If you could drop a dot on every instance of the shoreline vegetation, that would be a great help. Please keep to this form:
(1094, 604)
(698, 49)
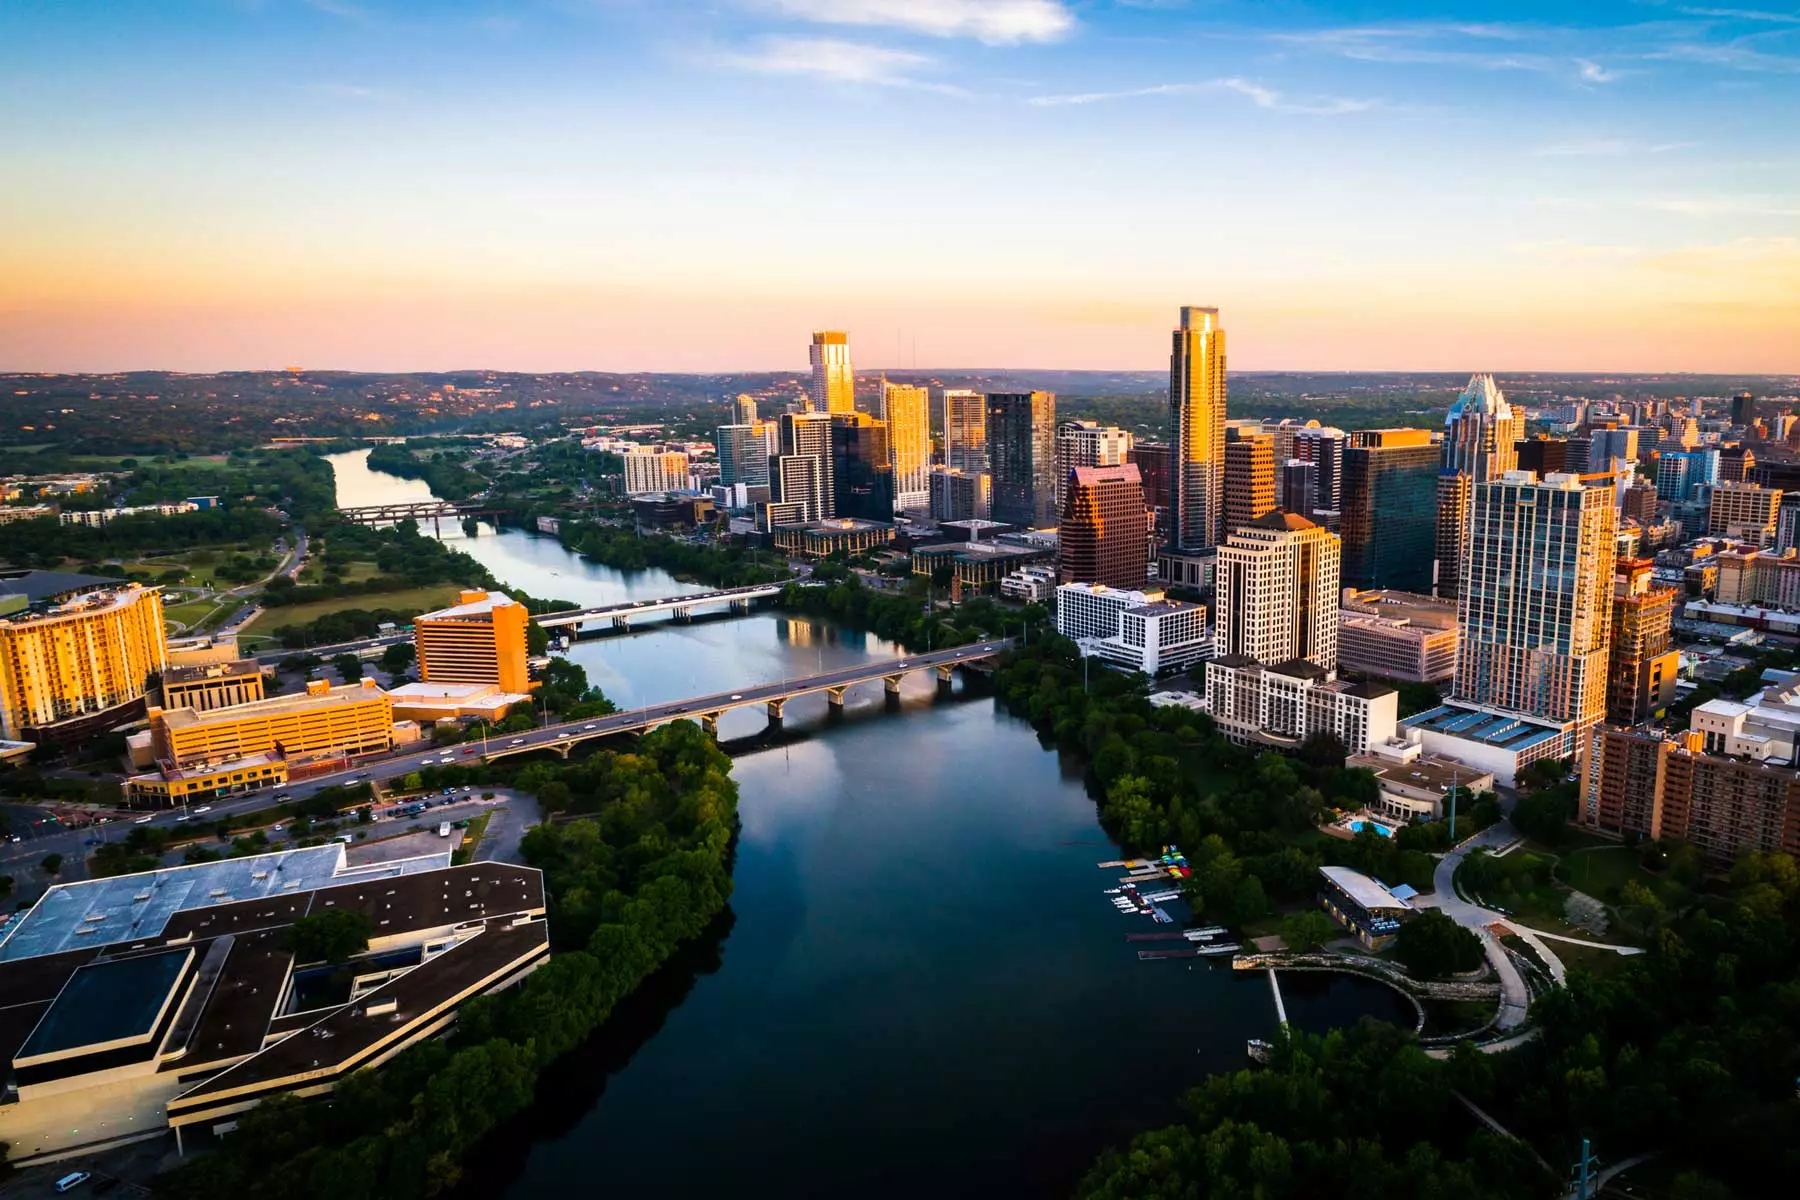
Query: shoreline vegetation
(636, 864)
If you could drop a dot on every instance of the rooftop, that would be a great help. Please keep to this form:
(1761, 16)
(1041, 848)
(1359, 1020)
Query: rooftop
(87, 603)
(1493, 729)
(472, 604)
(126, 908)
(108, 1002)
(1371, 894)
(236, 669)
(1292, 522)
(39, 586)
(348, 693)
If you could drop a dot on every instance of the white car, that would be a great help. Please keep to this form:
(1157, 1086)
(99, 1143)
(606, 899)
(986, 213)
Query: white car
(144, 820)
(737, 695)
(516, 742)
(560, 736)
(204, 808)
(587, 727)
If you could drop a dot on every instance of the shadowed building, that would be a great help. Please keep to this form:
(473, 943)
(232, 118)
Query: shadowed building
(1389, 521)
(1249, 480)
(862, 472)
(1021, 429)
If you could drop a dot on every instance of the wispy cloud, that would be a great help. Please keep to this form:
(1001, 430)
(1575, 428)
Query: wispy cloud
(839, 62)
(1734, 55)
(1743, 14)
(1593, 72)
(1261, 96)
(337, 8)
(1726, 206)
(995, 21)
(1614, 147)
(345, 91)
(1562, 248)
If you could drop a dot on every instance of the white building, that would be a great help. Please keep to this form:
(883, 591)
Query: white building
(1087, 444)
(1412, 785)
(1141, 630)
(651, 470)
(1033, 585)
(1276, 591)
(1285, 704)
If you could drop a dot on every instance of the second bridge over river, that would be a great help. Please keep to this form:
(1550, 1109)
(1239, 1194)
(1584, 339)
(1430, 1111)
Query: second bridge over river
(773, 696)
(620, 616)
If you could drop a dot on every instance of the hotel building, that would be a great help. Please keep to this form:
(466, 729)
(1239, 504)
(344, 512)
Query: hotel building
(1141, 630)
(481, 639)
(1276, 595)
(81, 664)
(1284, 704)
(907, 412)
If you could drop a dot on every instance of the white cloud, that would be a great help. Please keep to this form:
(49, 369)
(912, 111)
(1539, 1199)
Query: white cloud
(1744, 14)
(1593, 72)
(1727, 206)
(994, 21)
(838, 61)
(1262, 97)
(1607, 148)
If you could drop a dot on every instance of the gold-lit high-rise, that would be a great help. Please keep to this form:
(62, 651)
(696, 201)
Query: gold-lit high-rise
(833, 387)
(91, 653)
(907, 411)
(1197, 431)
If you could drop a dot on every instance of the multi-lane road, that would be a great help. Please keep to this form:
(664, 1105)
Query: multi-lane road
(16, 859)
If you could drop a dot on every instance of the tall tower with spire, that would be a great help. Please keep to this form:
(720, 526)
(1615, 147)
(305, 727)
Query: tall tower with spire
(1197, 431)
(1481, 436)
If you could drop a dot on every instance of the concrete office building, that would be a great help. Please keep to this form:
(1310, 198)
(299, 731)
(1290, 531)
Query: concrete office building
(1680, 474)
(170, 998)
(802, 436)
(832, 388)
(744, 409)
(1481, 435)
(1276, 596)
(1021, 428)
(1086, 444)
(907, 413)
(1197, 432)
(744, 452)
(73, 664)
(958, 495)
(1249, 480)
(1389, 521)
(1104, 536)
(1324, 449)
(963, 421)
(1744, 511)
(1403, 636)
(1142, 630)
(219, 685)
(1283, 704)
(480, 639)
(1644, 662)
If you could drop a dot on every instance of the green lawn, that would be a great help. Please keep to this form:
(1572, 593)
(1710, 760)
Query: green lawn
(471, 840)
(410, 600)
(194, 614)
(1602, 872)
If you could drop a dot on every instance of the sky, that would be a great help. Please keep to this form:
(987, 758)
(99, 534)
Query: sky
(695, 185)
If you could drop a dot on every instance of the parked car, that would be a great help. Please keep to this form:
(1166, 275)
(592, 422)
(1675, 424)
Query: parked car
(72, 1180)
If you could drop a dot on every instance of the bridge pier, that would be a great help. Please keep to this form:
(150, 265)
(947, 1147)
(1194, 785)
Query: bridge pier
(835, 697)
(740, 606)
(684, 614)
(621, 622)
(945, 673)
(892, 683)
(710, 723)
(775, 707)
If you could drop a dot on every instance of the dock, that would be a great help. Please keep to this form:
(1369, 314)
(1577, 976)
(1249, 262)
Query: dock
(1167, 936)
(1189, 952)
(1280, 1008)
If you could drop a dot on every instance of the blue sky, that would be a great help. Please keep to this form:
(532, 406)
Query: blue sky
(622, 184)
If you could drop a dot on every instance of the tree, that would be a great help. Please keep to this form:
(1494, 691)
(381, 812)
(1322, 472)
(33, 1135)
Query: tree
(1544, 814)
(1307, 930)
(334, 936)
(1433, 946)
(52, 864)
(398, 657)
(348, 667)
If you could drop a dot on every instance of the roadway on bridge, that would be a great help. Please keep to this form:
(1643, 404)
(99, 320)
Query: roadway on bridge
(17, 858)
(576, 616)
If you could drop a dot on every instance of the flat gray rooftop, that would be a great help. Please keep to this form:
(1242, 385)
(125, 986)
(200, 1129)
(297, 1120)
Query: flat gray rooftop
(126, 908)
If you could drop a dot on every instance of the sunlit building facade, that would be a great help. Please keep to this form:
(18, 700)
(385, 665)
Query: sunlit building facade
(1197, 431)
(833, 385)
(92, 654)
(481, 639)
(907, 411)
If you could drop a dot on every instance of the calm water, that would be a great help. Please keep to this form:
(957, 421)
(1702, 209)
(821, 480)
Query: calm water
(920, 990)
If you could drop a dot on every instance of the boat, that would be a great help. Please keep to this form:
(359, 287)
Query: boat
(1212, 948)
(1211, 931)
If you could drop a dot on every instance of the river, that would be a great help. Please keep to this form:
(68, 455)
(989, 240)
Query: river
(921, 988)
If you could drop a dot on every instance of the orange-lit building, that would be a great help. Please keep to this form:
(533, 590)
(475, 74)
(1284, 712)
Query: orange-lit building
(1641, 680)
(80, 662)
(480, 640)
(1105, 532)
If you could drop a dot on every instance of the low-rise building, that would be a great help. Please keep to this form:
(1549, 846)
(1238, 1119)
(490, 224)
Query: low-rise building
(671, 510)
(428, 703)
(820, 539)
(1415, 786)
(1500, 744)
(171, 998)
(1032, 585)
(979, 567)
(1284, 704)
(1362, 905)
(1397, 635)
(1145, 631)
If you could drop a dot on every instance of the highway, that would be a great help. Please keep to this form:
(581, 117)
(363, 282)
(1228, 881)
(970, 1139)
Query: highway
(18, 859)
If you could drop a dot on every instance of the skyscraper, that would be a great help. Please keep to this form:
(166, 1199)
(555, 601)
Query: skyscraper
(1087, 444)
(862, 470)
(963, 419)
(1324, 448)
(1152, 461)
(1535, 597)
(86, 655)
(745, 408)
(744, 452)
(1104, 536)
(1481, 433)
(1276, 592)
(805, 435)
(1389, 522)
(1249, 480)
(1197, 431)
(833, 387)
(1643, 658)
(907, 411)
(1021, 429)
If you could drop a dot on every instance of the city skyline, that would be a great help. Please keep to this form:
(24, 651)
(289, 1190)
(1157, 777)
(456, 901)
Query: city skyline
(544, 186)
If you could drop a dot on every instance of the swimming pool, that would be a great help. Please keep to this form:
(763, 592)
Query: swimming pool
(1377, 826)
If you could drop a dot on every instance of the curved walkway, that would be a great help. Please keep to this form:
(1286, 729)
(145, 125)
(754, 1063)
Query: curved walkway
(1515, 998)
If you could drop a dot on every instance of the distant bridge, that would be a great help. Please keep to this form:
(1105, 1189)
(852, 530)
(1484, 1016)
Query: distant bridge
(621, 615)
(434, 510)
(771, 696)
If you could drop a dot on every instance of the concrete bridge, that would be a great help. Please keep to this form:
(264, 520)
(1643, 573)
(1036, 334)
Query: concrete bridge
(622, 615)
(708, 709)
(433, 510)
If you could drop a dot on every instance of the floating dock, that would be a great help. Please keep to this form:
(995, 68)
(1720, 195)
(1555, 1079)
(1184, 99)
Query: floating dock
(1189, 952)
(1166, 936)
